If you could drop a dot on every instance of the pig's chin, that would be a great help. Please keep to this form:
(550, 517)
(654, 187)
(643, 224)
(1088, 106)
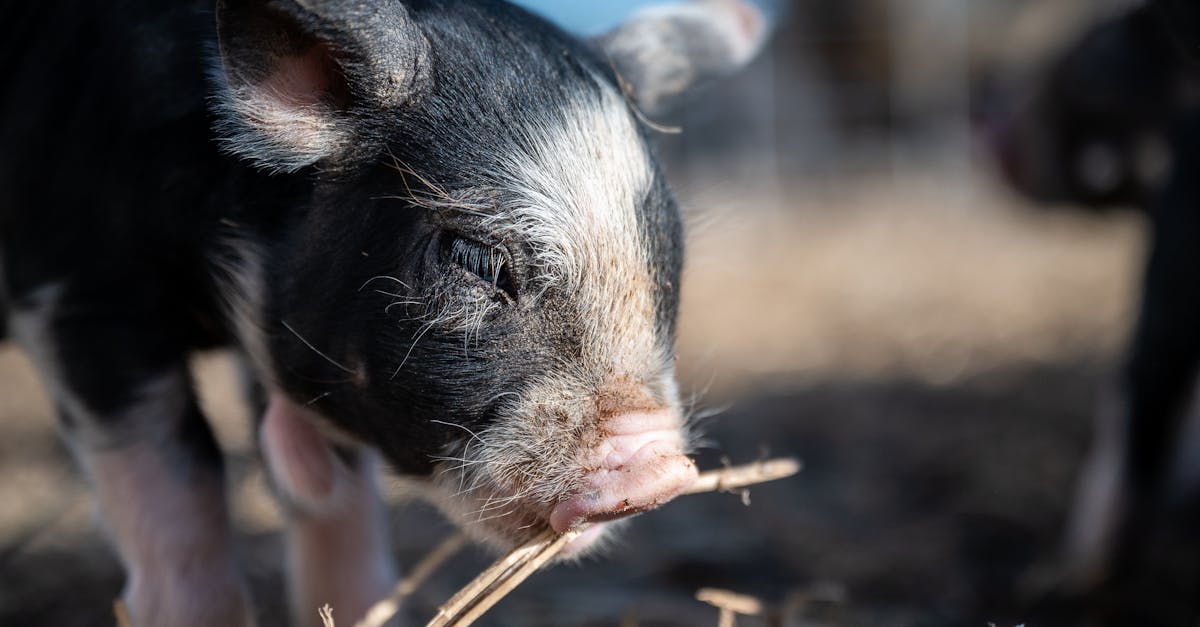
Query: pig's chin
(504, 523)
(595, 540)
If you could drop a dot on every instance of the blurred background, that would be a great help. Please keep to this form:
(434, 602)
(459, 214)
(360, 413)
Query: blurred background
(862, 292)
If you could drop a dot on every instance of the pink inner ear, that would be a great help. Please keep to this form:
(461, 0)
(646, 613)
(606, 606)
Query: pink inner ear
(750, 20)
(306, 80)
(751, 23)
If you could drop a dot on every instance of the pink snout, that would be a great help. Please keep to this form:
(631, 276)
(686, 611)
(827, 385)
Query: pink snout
(637, 465)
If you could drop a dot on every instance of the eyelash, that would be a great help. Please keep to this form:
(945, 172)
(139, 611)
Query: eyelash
(488, 263)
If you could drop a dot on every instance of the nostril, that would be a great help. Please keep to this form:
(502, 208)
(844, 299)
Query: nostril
(617, 451)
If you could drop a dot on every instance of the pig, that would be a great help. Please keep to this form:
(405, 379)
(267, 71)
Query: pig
(1093, 129)
(1116, 123)
(436, 233)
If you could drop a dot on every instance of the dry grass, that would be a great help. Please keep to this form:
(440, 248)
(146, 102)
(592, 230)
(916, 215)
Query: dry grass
(738, 477)
(385, 609)
(506, 573)
(730, 604)
(502, 577)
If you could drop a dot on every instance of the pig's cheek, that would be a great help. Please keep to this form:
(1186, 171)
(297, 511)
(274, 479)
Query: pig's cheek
(300, 459)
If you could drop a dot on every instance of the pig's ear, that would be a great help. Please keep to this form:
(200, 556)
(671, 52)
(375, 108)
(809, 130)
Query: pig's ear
(299, 78)
(662, 51)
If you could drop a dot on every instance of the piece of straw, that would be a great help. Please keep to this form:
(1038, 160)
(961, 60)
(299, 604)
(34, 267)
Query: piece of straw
(384, 610)
(736, 477)
(730, 604)
(732, 601)
(505, 574)
(514, 578)
(478, 587)
(326, 614)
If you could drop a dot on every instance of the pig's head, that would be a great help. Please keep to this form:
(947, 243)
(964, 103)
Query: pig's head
(1092, 129)
(482, 275)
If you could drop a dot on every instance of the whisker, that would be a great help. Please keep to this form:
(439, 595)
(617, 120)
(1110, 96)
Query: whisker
(410, 350)
(474, 436)
(317, 351)
(384, 276)
(319, 397)
(388, 309)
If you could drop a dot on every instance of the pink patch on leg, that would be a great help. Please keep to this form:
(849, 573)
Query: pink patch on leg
(172, 533)
(337, 549)
(300, 458)
(341, 555)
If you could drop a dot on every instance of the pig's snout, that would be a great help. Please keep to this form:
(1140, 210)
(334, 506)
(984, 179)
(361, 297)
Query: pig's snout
(565, 459)
(637, 463)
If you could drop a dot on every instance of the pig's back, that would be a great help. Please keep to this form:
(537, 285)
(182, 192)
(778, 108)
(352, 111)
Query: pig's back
(110, 180)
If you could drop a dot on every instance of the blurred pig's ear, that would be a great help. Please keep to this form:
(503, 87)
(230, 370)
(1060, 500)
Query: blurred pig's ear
(300, 79)
(662, 51)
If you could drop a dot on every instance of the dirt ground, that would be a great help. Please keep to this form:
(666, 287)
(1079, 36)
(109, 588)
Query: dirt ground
(933, 354)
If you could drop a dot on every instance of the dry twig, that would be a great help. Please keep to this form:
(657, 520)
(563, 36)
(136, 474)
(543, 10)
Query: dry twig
(730, 604)
(732, 601)
(500, 578)
(741, 476)
(509, 571)
(384, 610)
(478, 596)
(326, 614)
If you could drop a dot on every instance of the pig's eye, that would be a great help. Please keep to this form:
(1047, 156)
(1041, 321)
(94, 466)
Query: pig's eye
(486, 262)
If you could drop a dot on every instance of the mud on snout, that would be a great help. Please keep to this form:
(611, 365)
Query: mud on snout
(562, 461)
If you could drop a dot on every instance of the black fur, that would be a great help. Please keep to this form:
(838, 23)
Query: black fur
(1182, 21)
(1114, 91)
(450, 136)
(1125, 78)
(1164, 361)
(298, 179)
(115, 189)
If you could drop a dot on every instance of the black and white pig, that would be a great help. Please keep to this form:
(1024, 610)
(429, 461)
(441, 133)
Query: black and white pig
(436, 229)
(1115, 122)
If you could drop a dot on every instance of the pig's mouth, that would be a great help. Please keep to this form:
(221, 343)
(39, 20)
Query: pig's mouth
(624, 465)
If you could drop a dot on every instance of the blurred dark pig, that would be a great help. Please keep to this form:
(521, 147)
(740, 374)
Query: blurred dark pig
(435, 230)
(1093, 130)
(1116, 122)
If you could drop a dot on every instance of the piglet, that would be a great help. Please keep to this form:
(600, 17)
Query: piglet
(436, 232)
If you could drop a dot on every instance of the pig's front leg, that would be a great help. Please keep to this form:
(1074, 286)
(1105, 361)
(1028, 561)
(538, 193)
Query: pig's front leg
(127, 409)
(170, 526)
(337, 548)
(1126, 491)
